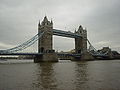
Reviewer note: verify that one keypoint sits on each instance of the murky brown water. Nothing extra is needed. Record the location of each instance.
(64, 75)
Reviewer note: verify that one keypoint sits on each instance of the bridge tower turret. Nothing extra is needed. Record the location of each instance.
(45, 43)
(81, 43)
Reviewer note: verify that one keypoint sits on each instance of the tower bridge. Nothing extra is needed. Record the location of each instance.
(45, 44)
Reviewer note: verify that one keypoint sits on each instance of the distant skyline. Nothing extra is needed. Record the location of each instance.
(19, 21)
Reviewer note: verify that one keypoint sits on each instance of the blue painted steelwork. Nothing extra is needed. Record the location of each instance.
(94, 52)
(24, 45)
(59, 54)
(21, 54)
(68, 54)
(65, 33)
(100, 55)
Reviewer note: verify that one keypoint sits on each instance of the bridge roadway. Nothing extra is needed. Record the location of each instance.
(100, 55)
(66, 54)
(69, 54)
(21, 54)
(59, 54)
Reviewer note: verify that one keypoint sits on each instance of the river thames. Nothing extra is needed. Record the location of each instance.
(62, 75)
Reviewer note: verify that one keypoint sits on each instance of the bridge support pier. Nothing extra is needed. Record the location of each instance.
(46, 57)
(86, 56)
(38, 58)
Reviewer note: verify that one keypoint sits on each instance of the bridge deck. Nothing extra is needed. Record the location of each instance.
(21, 54)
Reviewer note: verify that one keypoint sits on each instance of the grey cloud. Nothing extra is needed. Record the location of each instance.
(19, 19)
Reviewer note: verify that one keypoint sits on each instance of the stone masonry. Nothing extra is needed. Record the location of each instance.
(45, 43)
(81, 43)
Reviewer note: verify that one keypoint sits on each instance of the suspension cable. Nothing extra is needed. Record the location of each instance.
(23, 45)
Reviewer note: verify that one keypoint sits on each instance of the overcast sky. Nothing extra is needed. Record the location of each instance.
(19, 20)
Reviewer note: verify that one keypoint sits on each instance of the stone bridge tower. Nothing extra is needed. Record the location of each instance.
(45, 43)
(81, 43)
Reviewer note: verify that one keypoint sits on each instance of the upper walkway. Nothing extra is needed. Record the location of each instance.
(66, 33)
